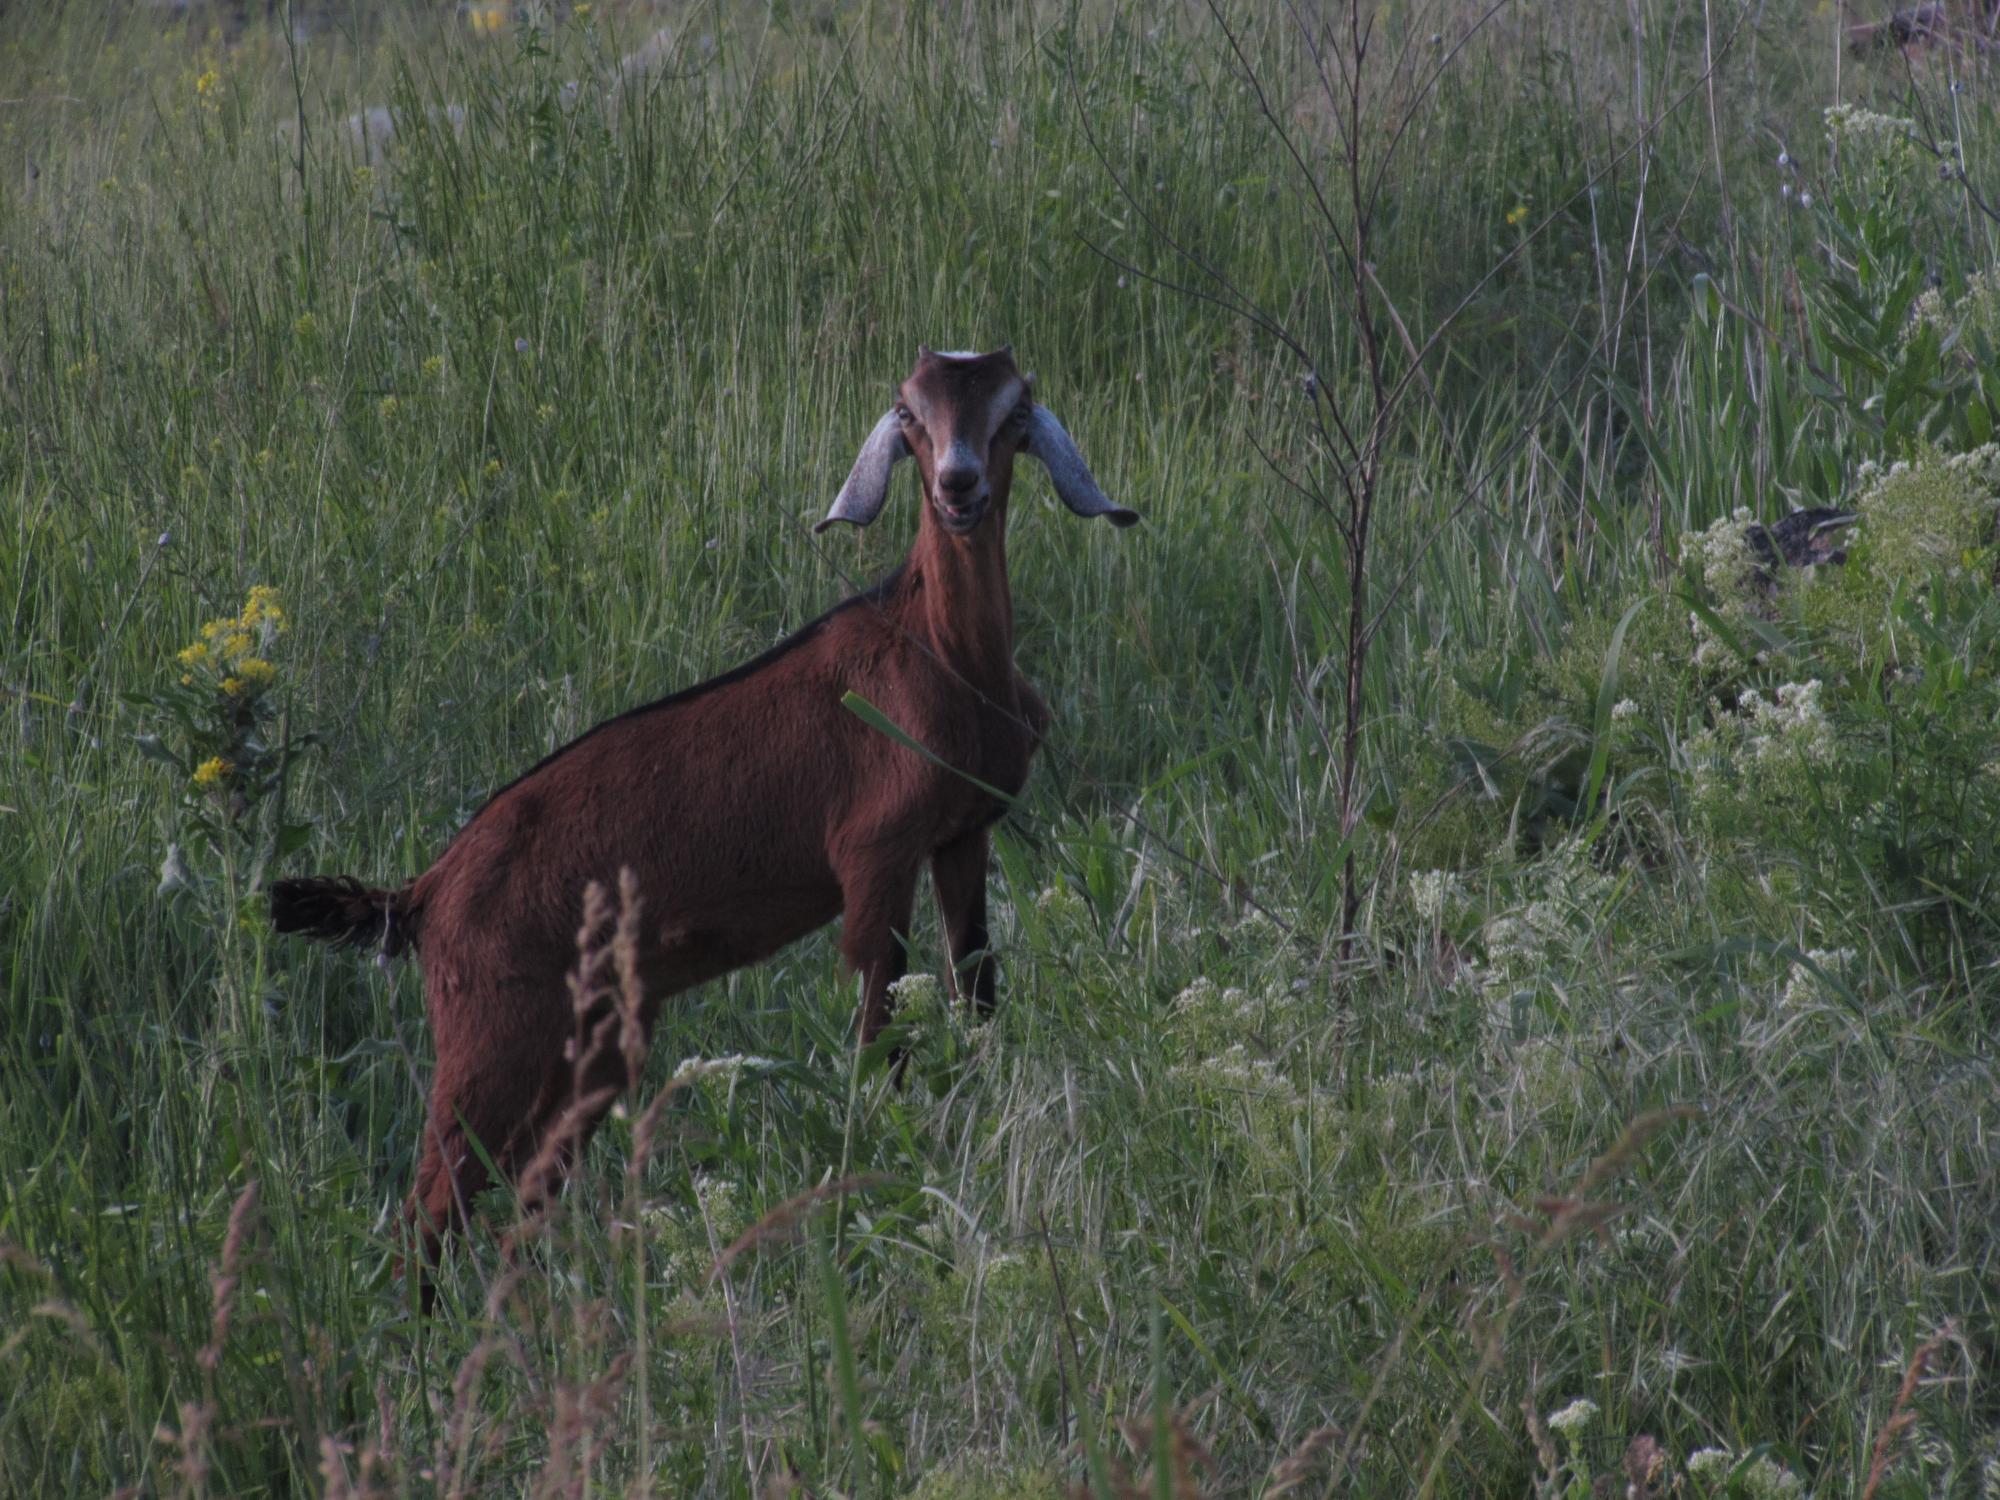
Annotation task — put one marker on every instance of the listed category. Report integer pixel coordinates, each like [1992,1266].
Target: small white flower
[724,1068]
[1623,709]
[1574,1420]
[1710,1465]
[1766,1480]
[917,995]
[1432,893]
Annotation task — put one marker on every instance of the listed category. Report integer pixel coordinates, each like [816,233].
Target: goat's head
[963,417]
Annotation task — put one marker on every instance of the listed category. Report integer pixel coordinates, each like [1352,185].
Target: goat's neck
[956,591]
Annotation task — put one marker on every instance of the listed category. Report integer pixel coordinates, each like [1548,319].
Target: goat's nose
[958,480]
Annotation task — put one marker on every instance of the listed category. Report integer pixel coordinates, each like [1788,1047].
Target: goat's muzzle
[961,496]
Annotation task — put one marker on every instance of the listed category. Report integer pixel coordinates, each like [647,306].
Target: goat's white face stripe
[959,453]
[961,456]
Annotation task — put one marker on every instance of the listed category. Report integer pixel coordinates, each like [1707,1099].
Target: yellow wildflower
[433,367]
[1516,214]
[386,409]
[545,413]
[253,674]
[194,654]
[492,468]
[262,608]
[236,644]
[205,85]
[581,12]
[263,459]
[211,771]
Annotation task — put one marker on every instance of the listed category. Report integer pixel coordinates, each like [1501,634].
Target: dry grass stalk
[1185,1457]
[1545,1449]
[580,1410]
[191,1441]
[1292,1471]
[1647,1473]
[1903,1415]
[226,1276]
[608,1002]
[455,1439]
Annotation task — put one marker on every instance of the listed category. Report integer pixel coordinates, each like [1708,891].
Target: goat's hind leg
[467,1125]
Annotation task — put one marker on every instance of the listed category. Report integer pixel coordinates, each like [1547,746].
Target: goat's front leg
[874,938]
[958,871]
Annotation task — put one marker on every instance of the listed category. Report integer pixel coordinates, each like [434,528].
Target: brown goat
[752,809]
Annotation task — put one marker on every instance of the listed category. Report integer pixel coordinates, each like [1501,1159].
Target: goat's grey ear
[860,499]
[1057,451]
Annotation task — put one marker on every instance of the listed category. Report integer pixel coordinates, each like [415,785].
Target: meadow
[1500,981]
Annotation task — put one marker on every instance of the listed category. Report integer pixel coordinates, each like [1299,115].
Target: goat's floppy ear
[860,499]
[1057,451]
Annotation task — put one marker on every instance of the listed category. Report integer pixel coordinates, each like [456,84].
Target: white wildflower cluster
[1574,1420]
[726,1068]
[1627,725]
[1723,553]
[1207,1015]
[1555,922]
[1803,987]
[1728,566]
[1251,1099]
[1766,748]
[1710,1466]
[917,998]
[1878,139]
[688,1237]
[1433,893]
[1976,312]
[1982,462]
[1765,1479]
[1238,1069]
[1928,516]
[1794,725]
[716,1078]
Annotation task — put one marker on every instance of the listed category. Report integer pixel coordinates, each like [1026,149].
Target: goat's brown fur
[751,809]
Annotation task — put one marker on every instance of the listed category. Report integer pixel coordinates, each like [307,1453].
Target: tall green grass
[1630,1091]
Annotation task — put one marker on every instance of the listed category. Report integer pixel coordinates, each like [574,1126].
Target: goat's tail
[340,909]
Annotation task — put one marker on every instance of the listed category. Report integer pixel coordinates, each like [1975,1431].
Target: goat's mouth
[960,518]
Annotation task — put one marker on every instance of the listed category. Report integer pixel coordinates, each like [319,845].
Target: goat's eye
[903,413]
[1021,412]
